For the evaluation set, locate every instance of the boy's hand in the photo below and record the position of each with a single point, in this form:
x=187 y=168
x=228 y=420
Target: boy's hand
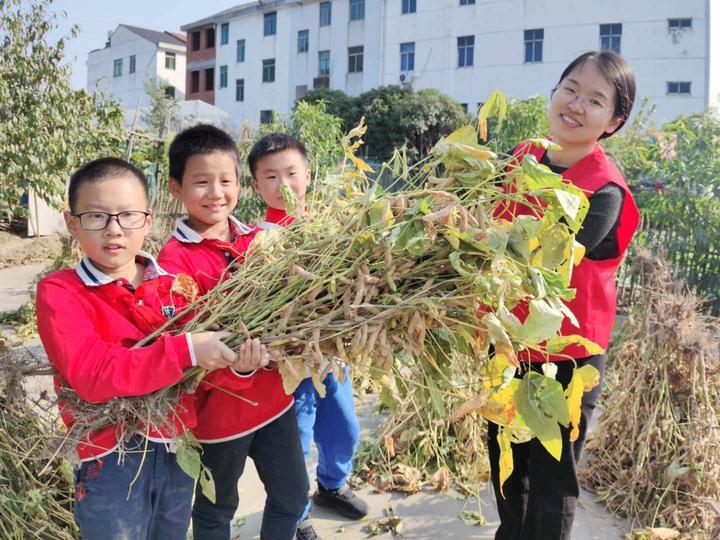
x=252 y=355
x=210 y=352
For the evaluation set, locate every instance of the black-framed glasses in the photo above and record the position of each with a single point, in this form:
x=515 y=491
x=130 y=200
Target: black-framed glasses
x=97 y=221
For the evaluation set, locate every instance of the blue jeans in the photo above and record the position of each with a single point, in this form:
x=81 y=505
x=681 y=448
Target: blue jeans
x=275 y=449
x=158 y=504
x=333 y=424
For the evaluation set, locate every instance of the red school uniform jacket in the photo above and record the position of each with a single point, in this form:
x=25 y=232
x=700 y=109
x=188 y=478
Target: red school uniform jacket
x=89 y=322
x=594 y=304
x=222 y=416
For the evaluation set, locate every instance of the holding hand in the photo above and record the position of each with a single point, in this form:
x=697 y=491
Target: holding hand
x=251 y=356
x=210 y=352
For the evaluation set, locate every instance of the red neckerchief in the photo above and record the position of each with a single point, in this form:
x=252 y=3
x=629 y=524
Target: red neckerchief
x=279 y=217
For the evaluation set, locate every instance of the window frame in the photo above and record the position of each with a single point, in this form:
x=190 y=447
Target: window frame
x=268 y=70
x=131 y=64
x=611 y=35
x=357 y=10
x=408 y=7
x=270 y=23
x=209 y=79
x=407 y=57
x=169 y=55
x=306 y=41
x=240 y=85
x=117 y=67
x=210 y=38
x=322 y=11
x=679 y=85
x=324 y=56
x=224 y=33
x=355 y=53
x=195 y=81
x=223 y=77
x=240 y=46
x=195 y=40
x=533 y=39
x=466 y=51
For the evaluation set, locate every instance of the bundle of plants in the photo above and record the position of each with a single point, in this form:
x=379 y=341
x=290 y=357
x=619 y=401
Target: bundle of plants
x=35 y=492
x=655 y=456
x=369 y=278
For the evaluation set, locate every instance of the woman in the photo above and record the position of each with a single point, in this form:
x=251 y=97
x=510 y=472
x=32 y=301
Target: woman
x=591 y=101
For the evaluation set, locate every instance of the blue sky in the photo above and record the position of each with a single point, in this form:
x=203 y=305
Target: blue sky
x=98 y=17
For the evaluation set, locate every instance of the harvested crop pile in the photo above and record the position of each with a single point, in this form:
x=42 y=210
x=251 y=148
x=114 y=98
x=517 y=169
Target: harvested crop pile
x=655 y=457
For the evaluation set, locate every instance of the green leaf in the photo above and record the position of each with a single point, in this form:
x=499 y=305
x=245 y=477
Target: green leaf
x=496 y=104
x=207 y=484
x=388 y=399
x=537 y=403
x=472 y=519
x=436 y=397
x=558 y=344
x=188 y=458
x=544 y=143
x=542 y=323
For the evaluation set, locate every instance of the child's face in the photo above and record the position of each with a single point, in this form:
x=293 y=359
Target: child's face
x=284 y=168
x=112 y=249
x=582 y=107
x=209 y=189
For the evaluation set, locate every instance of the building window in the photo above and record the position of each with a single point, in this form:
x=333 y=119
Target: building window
x=131 y=67
x=464 y=107
x=409 y=6
x=240 y=52
x=170 y=92
x=301 y=91
x=239 y=89
x=610 y=35
x=355 y=59
x=209 y=38
x=679 y=24
x=209 y=79
x=268 y=72
x=323 y=63
x=303 y=41
x=677 y=88
x=534 y=45
x=407 y=56
x=194 y=81
x=325 y=13
x=467 y=2
x=196 y=41
x=170 y=60
x=357 y=10
x=224 y=33
x=266 y=117
x=270 y=24
x=223 y=77
x=466 y=48
x=117 y=67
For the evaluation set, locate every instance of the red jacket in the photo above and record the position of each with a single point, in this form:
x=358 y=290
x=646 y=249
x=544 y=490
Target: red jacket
x=221 y=415
x=594 y=281
x=89 y=323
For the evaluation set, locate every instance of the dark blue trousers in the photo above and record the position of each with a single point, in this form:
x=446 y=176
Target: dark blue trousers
x=158 y=504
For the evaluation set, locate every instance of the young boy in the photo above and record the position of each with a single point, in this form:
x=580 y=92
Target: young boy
x=207 y=244
x=274 y=161
x=88 y=320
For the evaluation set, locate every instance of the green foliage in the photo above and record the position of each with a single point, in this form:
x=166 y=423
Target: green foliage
x=682 y=217
x=310 y=123
x=396 y=116
x=524 y=120
x=46 y=128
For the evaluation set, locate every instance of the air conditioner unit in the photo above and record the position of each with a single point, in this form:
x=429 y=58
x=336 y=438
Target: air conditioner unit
x=406 y=77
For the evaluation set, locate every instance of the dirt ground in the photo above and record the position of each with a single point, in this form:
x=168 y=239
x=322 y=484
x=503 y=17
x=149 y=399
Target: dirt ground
x=20 y=250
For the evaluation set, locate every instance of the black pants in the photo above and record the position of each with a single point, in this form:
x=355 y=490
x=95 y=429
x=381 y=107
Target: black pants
x=278 y=456
x=541 y=493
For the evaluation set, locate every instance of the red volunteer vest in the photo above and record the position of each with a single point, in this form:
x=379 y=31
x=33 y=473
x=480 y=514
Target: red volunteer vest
x=594 y=281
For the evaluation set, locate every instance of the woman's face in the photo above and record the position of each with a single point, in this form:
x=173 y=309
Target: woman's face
x=582 y=107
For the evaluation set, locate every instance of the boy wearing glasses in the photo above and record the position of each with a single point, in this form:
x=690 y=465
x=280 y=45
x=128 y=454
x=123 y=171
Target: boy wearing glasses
x=89 y=318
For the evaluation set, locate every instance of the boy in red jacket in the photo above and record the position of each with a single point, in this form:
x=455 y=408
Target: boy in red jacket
x=279 y=160
x=204 y=166
x=89 y=319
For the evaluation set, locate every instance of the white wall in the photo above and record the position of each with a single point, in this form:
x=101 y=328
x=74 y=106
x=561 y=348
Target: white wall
x=571 y=27
x=129 y=88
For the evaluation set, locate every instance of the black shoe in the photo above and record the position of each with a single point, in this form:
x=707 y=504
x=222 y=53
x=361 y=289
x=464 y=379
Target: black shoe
x=343 y=500
x=305 y=531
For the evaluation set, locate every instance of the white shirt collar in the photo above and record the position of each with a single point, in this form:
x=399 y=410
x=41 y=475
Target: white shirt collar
x=92 y=277
x=185 y=234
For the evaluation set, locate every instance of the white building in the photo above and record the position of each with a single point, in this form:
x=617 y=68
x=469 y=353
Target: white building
x=269 y=52
x=132 y=56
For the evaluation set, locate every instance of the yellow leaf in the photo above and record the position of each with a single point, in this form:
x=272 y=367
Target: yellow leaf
x=578 y=253
x=506 y=458
x=574 y=393
x=317 y=383
x=482 y=124
x=359 y=163
x=469 y=406
x=590 y=377
x=292 y=373
x=479 y=153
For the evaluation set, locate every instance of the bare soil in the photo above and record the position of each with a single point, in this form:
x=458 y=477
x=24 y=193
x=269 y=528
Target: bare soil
x=18 y=250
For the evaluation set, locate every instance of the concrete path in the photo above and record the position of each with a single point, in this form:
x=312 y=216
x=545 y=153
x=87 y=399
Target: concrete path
x=14 y=283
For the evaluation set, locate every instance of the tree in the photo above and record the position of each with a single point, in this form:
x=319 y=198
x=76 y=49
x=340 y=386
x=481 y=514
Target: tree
x=337 y=103
x=524 y=120
x=46 y=128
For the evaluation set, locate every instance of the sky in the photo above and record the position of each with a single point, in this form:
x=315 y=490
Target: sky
x=98 y=17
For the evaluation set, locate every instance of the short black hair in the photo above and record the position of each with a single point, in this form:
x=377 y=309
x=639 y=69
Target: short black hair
x=103 y=169
x=199 y=139
x=271 y=143
x=617 y=73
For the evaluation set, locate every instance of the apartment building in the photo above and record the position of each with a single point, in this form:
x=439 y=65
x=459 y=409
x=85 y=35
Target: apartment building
x=132 y=56
x=262 y=55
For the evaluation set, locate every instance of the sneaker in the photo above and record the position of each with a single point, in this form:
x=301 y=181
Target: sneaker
x=342 y=500
x=306 y=531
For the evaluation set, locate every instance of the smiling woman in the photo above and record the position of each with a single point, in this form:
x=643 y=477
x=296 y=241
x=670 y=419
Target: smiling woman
x=591 y=101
